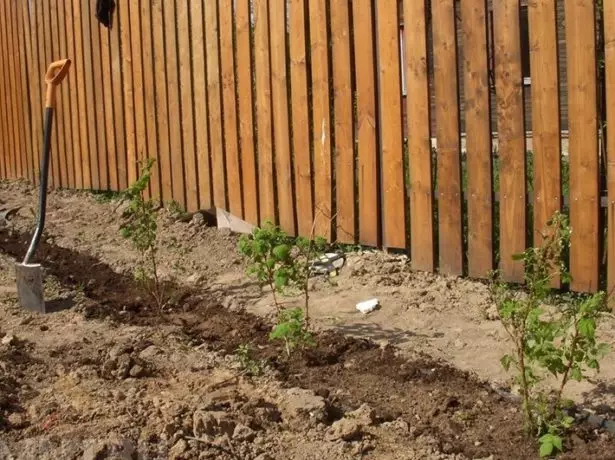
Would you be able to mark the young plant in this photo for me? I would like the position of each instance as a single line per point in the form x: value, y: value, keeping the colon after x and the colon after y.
x: 140, y: 228
x: 292, y: 330
x: 561, y: 343
x: 247, y: 362
x: 305, y: 251
x: 269, y: 254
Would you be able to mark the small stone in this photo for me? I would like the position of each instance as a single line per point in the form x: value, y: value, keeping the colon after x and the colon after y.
x: 303, y: 405
x: 198, y: 219
x: 119, y: 350
x: 609, y: 425
x: 124, y: 364
x: 178, y: 449
x: 346, y: 430
x: 244, y: 433
x: 150, y: 352
x: 459, y: 343
x: 364, y: 414
x: 595, y: 420
x: 138, y: 371
x: 8, y: 339
x: 264, y: 457
x: 195, y: 278
x: 477, y: 443
x: 16, y: 420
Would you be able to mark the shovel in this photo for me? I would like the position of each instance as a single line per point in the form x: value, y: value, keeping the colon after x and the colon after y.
x: 30, y: 276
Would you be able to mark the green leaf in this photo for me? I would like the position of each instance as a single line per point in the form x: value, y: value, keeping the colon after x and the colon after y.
x: 518, y: 256
x: 546, y: 448
x: 587, y: 327
x: 576, y: 374
x: 282, y: 252
x: 506, y: 361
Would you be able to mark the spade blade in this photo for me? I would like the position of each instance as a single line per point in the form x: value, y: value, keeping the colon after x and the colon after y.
x: 30, y: 287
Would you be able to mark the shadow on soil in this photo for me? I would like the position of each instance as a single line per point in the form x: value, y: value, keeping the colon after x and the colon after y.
x: 431, y: 397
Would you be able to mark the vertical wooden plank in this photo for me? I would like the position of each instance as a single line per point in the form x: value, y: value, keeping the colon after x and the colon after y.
x: 24, y: 56
x: 419, y: 143
x: 107, y: 88
x: 162, y: 110
x: 46, y: 59
x: 344, y: 138
x: 215, y: 104
x: 187, y: 101
x: 231, y: 142
x: 300, y: 118
x: 244, y: 97
x: 35, y: 89
x: 478, y: 138
x: 448, y: 136
x: 67, y: 111
x: 90, y: 96
x: 545, y: 115
x: 75, y: 115
x: 200, y: 103
x: 7, y: 115
x: 609, y: 58
x: 137, y: 82
x: 97, y: 76
x: 14, y: 94
x: 149, y: 91
x: 59, y: 154
x: 321, y: 131
x: 281, y: 128
x: 79, y: 72
x: 583, y: 145
x: 263, y: 111
x: 3, y: 119
x: 118, y: 103
x: 129, y: 102
x: 511, y: 137
x: 389, y: 88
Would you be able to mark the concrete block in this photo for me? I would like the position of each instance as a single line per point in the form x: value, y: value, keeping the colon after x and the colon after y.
x: 235, y: 224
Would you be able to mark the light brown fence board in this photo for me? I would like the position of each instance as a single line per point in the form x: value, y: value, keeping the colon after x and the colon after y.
x: 419, y: 145
x: 511, y: 137
x: 448, y: 137
x: 583, y: 149
x: 478, y: 138
x: 300, y: 118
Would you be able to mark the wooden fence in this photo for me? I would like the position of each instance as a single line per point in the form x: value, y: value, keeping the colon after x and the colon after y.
x: 292, y: 110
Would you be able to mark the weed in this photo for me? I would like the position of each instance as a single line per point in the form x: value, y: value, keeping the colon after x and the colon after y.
x: 292, y: 330
x: 305, y: 251
x: 175, y: 208
x: 268, y: 251
x: 140, y: 228
x: 247, y: 362
x: 561, y: 343
x: 106, y: 196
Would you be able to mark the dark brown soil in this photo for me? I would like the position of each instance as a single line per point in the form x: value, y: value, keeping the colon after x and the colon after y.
x: 461, y: 412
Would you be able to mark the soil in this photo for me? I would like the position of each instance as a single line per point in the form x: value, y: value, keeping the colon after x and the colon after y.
x: 108, y: 375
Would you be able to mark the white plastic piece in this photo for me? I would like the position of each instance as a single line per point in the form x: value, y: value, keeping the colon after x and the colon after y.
x: 368, y: 306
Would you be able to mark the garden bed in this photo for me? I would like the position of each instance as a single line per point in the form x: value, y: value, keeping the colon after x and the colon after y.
x: 109, y: 373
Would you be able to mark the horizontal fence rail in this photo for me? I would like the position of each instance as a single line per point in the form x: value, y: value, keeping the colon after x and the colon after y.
x: 432, y: 126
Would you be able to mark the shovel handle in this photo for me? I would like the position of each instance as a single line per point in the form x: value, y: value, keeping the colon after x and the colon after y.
x: 55, y: 75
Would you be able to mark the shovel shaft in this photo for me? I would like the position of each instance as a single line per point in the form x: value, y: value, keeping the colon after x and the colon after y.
x: 42, y: 199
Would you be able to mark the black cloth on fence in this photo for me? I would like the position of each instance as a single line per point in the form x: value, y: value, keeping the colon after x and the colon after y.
x: 104, y: 12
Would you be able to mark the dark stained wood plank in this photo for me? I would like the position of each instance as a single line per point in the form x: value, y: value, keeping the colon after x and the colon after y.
x: 583, y: 145
x: 419, y: 144
x: 64, y: 94
x: 511, y: 137
x: 300, y: 118
x: 478, y: 138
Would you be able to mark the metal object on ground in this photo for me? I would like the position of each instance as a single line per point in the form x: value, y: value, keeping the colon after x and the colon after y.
x: 30, y: 276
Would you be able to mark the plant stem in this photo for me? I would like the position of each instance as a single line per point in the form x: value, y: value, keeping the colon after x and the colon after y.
x: 566, y: 375
x: 525, y: 386
x: 275, y: 297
